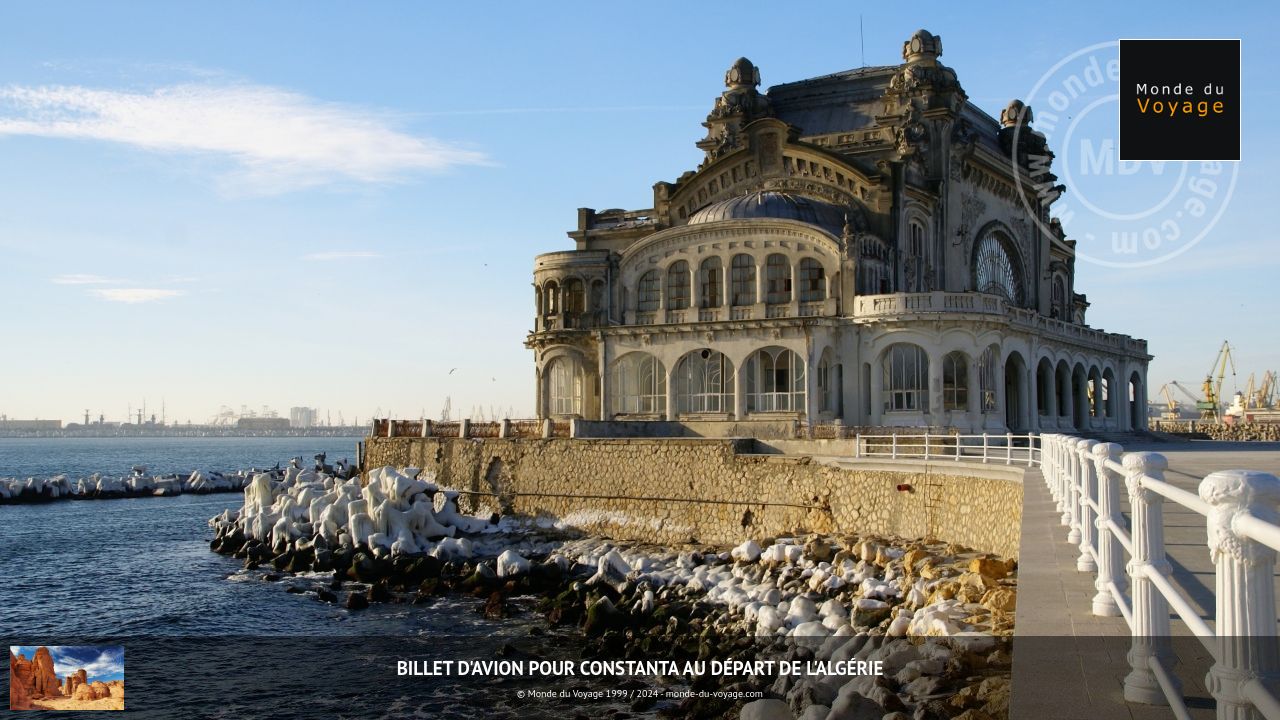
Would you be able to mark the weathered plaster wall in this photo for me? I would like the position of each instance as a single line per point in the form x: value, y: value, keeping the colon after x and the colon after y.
x: 711, y: 491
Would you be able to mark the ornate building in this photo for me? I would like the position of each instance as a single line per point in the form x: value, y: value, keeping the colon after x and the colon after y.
x: 851, y: 247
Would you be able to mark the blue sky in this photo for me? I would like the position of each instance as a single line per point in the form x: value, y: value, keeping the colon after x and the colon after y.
x: 100, y: 662
x: 333, y: 205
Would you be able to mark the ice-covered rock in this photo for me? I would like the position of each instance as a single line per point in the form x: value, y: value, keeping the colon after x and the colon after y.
x: 511, y: 564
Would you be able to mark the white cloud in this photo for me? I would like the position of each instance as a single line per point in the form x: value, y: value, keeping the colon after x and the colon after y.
x: 107, y: 663
x: 342, y: 255
x: 277, y: 139
x: 134, y: 296
x: 80, y: 279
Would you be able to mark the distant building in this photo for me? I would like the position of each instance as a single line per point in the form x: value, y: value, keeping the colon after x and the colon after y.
x: 302, y: 417
x: 262, y: 423
x: 30, y: 424
x: 857, y: 246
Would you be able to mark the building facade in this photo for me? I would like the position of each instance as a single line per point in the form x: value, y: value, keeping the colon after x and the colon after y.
x: 866, y: 247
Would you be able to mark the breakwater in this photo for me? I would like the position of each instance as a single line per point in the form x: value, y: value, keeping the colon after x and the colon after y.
x: 679, y: 490
x: 933, y: 618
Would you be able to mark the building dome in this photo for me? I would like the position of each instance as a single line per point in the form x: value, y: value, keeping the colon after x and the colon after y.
x: 772, y: 204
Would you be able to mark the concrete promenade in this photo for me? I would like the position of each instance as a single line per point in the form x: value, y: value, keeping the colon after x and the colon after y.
x: 1069, y: 663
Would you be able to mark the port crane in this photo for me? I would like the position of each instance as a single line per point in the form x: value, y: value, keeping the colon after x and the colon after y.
x: 1262, y: 395
x: 1211, y: 406
x: 1171, y: 403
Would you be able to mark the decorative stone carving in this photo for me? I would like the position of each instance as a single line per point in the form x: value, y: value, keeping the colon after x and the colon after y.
x: 1233, y: 493
x: 739, y: 104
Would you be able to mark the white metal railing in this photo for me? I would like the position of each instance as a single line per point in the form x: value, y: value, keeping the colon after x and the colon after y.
x: 1008, y: 448
x: 1242, y: 516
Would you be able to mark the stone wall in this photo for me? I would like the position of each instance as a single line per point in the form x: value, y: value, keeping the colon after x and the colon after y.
x: 716, y: 491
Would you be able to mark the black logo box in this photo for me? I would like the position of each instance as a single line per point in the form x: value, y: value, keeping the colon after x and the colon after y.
x: 1186, y: 69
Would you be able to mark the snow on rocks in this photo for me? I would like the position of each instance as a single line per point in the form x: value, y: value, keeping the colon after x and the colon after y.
x: 393, y: 513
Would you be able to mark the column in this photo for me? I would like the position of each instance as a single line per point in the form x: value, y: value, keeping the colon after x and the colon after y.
x: 740, y: 391
x: 1032, y: 398
x: 1001, y: 410
x: 810, y: 385
x: 602, y: 362
x: 877, y: 393
x: 935, y: 387
x: 672, y: 411
x: 1068, y: 400
x: 974, y: 391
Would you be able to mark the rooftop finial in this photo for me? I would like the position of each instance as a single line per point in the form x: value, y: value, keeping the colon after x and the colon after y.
x: 923, y: 47
x: 742, y: 75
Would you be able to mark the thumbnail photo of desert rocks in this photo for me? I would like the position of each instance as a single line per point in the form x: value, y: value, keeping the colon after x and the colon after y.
x: 34, y: 683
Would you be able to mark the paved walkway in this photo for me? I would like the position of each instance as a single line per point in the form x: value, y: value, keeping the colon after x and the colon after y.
x: 1070, y: 663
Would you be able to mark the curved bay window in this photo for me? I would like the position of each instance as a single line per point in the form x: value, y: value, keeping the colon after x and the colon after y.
x: 575, y: 301
x: 987, y: 363
x: 873, y: 266
x: 775, y: 381
x: 565, y: 386
x: 955, y: 381
x: 906, y: 378
x: 704, y: 383
x: 777, y: 276
x: 678, y: 285
x: 743, y: 279
x: 639, y: 385
x: 995, y: 271
x: 813, y: 281
x: 649, y: 292
x: 710, y: 283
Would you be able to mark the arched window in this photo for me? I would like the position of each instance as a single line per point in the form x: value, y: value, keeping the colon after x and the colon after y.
x: 906, y: 378
x: 987, y: 363
x: 710, y: 283
x: 777, y: 276
x: 639, y: 385
x: 913, y: 264
x: 649, y: 294
x: 704, y: 383
x: 955, y: 381
x: 744, y: 280
x: 566, y: 386
x: 552, y: 297
x: 995, y: 270
x: 537, y: 300
x: 1058, y: 307
x: 575, y: 297
x: 775, y: 381
x: 678, y: 285
x: 813, y: 281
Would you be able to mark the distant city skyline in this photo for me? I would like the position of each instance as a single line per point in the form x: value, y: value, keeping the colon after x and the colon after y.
x: 199, y: 204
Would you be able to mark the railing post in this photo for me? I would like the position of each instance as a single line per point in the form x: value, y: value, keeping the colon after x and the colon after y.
x: 1150, y: 608
x: 1071, y: 512
x: 1109, y: 548
x: 504, y: 428
x: 1088, y: 500
x: 985, y: 446
x: 464, y: 427
x: 1246, y: 595
x: 1008, y: 448
x: 958, y: 443
x: 1031, y: 450
x: 548, y: 428
x: 893, y: 446
x: 926, y: 444
x: 857, y: 445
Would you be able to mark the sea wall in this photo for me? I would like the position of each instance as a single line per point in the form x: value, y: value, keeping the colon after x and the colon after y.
x: 716, y: 491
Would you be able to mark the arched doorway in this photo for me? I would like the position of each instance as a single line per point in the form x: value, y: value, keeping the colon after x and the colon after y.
x: 1015, y: 393
x: 1137, y: 403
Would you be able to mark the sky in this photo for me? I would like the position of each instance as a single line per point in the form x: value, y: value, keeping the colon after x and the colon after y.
x: 334, y: 205
x: 100, y: 662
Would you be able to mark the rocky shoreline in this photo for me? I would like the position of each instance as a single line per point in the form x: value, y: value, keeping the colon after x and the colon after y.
x: 938, y: 618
